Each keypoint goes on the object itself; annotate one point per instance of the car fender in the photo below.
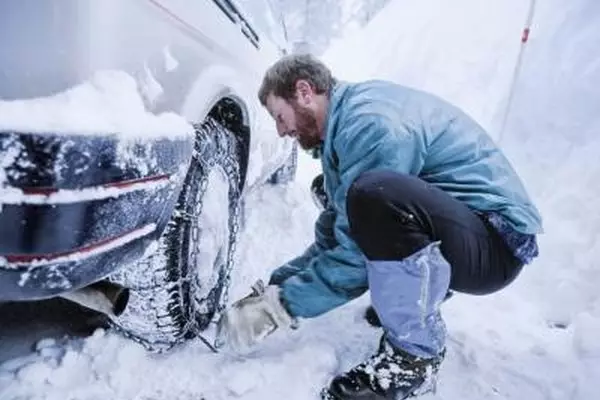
(209, 88)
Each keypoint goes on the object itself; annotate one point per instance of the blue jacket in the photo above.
(378, 124)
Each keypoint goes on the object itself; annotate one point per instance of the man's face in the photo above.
(295, 120)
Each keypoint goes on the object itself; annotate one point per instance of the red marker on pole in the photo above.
(524, 39)
(525, 36)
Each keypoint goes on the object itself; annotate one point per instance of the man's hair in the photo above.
(280, 79)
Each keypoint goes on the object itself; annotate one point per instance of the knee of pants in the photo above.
(372, 193)
(359, 202)
(380, 215)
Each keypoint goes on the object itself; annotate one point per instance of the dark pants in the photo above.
(392, 216)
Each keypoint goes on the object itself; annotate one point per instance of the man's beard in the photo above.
(307, 131)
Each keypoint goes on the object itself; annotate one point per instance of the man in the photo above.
(420, 201)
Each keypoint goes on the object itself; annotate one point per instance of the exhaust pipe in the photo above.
(103, 296)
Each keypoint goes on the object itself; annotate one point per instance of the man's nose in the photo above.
(281, 131)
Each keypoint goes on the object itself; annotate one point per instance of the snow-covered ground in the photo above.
(538, 339)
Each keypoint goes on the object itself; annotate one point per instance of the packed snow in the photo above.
(537, 339)
(109, 103)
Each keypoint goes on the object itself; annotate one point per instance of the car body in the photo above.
(73, 208)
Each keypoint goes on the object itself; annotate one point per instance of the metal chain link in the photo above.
(224, 141)
(213, 150)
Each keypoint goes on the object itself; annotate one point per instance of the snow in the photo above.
(8, 158)
(537, 339)
(10, 195)
(171, 64)
(214, 226)
(109, 103)
(463, 51)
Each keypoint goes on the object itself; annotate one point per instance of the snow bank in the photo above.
(463, 51)
(552, 134)
(108, 103)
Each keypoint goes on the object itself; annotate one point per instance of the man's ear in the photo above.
(304, 92)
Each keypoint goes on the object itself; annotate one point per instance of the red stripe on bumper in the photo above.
(82, 251)
(47, 191)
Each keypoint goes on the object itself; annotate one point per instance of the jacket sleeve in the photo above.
(338, 275)
(324, 240)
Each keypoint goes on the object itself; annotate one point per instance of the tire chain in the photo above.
(287, 171)
(214, 131)
(230, 164)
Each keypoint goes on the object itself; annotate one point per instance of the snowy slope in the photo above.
(537, 339)
(463, 50)
(553, 130)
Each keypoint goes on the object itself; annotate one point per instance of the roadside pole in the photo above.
(517, 70)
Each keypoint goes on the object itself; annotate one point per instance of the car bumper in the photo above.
(72, 211)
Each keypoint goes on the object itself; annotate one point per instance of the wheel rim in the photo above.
(209, 247)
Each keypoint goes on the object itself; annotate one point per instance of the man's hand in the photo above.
(249, 320)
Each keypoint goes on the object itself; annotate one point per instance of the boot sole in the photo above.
(429, 386)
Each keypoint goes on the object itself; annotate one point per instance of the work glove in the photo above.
(251, 319)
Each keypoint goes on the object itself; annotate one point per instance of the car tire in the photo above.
(182, 285)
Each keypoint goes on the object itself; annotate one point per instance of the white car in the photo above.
(130, 132)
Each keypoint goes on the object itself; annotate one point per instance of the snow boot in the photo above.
(391, 374)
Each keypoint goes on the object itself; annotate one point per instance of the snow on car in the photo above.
(130, 132)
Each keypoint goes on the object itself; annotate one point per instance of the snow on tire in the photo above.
(182, 285)
(287, 172)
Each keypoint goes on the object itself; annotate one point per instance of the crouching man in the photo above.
(419, 202)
